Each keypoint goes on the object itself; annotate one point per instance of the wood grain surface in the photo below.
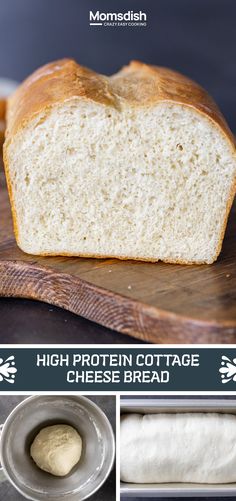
(159, 303)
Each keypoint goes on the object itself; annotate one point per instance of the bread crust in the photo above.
(135, 85)
(2, 108)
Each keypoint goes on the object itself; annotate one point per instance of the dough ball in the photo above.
(56, 449)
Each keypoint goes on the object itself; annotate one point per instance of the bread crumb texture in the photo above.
(99, 179)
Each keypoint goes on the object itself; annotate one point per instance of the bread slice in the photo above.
(138, 165)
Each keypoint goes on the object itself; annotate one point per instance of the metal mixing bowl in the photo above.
(22, 426)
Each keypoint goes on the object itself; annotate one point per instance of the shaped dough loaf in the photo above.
(56, 449)
(187, 447)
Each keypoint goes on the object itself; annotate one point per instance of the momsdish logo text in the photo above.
(119, 19)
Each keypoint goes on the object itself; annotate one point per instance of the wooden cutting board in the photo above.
(159, 303)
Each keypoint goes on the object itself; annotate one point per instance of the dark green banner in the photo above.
(118, 369)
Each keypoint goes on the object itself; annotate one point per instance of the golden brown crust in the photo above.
(135, 85)
(51, 85)
(2, 108)
(11, 198)
(224, 225)
(139, 83)
(121, 258)
(2, 135)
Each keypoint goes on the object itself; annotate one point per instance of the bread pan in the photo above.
(180, 490)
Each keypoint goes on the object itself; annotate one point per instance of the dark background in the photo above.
(196, 37)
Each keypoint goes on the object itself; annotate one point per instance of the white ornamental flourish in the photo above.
(8, 369)
(228, 369)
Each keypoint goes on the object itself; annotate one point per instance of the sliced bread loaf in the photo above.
(139, 165)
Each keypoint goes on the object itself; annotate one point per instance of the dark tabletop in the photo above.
(107, 491)
(25, 321)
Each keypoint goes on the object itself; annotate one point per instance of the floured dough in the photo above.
(56, 449)
(187, 447)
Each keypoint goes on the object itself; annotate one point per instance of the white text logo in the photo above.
(119, 19)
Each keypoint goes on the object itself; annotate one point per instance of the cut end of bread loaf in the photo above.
(153, 182)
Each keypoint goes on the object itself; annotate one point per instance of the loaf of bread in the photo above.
(188, 447)
(138, 165)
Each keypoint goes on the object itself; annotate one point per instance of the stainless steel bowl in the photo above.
(23, 424)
